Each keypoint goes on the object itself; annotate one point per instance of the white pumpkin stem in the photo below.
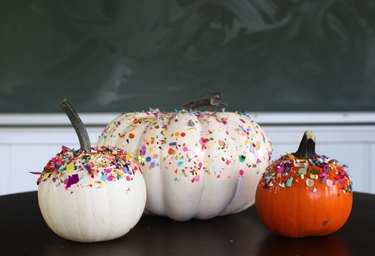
(78, 125)
(214, 101)
(306, 147)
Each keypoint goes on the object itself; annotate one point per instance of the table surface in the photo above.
(24, 232)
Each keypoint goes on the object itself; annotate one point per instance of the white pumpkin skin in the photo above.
(92, 209)
(196, 165)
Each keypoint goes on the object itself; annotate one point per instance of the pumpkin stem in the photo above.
(79, 127)
(214, 101)
(306, 147)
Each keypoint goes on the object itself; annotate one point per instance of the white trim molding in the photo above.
(90, 119)
(28, 141)
(315, 118)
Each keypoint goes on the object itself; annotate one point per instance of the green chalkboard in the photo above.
(123, 55)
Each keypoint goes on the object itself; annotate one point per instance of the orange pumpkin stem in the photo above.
(78, 125)
(306, 147)
(214, 101)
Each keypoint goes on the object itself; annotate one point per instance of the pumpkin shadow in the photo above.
(155, 235)
(309, 246)
(66, 247)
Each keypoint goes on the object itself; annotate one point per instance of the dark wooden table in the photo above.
(24, 232)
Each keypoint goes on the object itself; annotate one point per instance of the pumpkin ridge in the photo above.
(151, 180)
(45, 208)
(238, 184)
(131, 135)
(180, 203)
(109, 129)
(108, 221)
(207, 173)
(246, 148)
(200, 208)
(91, 209)
(227, 153)
(139, 197)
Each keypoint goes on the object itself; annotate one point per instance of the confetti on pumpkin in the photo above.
(176, 152)
(93, 169)
(289, 169)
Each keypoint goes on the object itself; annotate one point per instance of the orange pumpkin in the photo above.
(303, 194)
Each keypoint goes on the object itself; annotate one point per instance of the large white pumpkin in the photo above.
(90, 194)
(195, 164)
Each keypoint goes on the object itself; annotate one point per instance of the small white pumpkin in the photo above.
(195, 164)
(91, 194)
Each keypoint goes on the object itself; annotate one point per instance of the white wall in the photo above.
(27, 142)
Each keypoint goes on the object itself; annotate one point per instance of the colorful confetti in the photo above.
(97, 167)
(192, 144)
(290, 169)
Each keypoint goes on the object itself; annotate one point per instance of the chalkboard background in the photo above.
(122, 55)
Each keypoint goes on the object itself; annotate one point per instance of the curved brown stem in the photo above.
(78, 125)
(214, 101)
(306, 147)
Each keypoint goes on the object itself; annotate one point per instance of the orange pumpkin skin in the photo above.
(300, 197)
